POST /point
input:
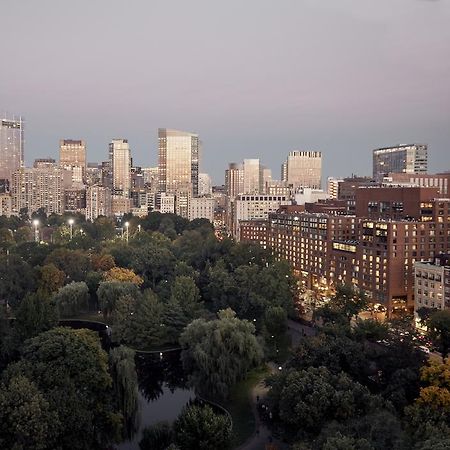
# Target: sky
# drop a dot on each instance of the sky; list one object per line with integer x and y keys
{"x": 254, "y": 78}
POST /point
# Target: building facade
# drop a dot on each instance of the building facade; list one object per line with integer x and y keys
{"x": 303, "y": 169}
{"x": 202, "y": 208}
{"x": 178, "y": 160}
{"x": 37, "y": 188}
{"x": 432, "y": 283}
{"x": 412, "y": 159}
{"x": 120, "y": 167}
{"x": 72, "y": 157}
{"x": 98, "y": 202}
{"x": 11, "y": 146}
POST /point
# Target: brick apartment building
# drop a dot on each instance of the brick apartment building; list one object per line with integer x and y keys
{"x": 375, "y": 250}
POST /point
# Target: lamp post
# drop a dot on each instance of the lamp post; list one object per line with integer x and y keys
{"x": 127, "y": 226}
{"x": 36, "y": 231}
{"x": 71, "y": 222}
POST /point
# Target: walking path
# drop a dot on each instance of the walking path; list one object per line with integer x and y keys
{"x": 262, "y": 438}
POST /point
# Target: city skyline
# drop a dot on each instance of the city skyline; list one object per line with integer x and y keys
{"x": 257, "y": 89}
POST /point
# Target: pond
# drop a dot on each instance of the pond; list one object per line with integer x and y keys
{"x": 162, "y": 384}
{"x": 162, "y": 392}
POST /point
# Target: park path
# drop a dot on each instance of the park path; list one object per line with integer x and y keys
{"x": 262, "y": 438}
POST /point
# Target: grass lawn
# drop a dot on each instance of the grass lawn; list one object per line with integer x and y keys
{"x": 240, "y": 408}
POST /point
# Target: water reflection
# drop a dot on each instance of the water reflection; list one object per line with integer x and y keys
{"x": 162, "y": 393}
{"x": 154, "y": 371}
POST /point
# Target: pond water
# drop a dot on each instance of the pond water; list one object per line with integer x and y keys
{"x": 162, "y": 384}
{"x": 162, "y": 392}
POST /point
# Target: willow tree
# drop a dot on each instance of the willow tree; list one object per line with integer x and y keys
{"x": 218, "y": 353}
{"x": 125, "y": 385}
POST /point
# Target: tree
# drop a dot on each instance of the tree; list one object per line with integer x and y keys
{"x": 70, "y": 369}
{"x": 102, "y": 262}
{"x": 307, "y": 399}
{"x": 109, "y": 292}
{"x": 157, "y": 437}
{"x": 199, "y": 428}
{"x": 439, "y": 330}
{"x": 36, "y": 313}
{"x": 6, "y": 239}
{"x": 154, "y": 263}
{"x": 26, "y": 420}
{"x": 436, "y": 392}
{"x": 125, "y": 385}
{"x": 51, "y": 278}
{"x": 16, "y": 279}
{"x": 174, "y": 320}
{"x": 72, "y": 298}
{"x": 7, "y": 341}
{"x": 103, "y": 229}
{"x": 146, "y": 328}
{"x": 185, "y": 292}
{"x": 123, "y": 275}
{"x": 370, "y": 330}
{"x": 340, "y": 442}
{"x": 218, "y": 353}
{"x": 74, "y": 263}
{"x": 221, "y": 288}
{"x": 23, "y": 234}
{"x": 348, "y": 301}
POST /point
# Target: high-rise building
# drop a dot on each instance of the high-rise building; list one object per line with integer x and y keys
{"x": 11, "y": 146}
{"x": 264, "y": 179}
{"x": 252, "y": 176}
{"x": 120, "y": 166}
{"x": 41, "y": 187}
{"x": 204, "y": 184}
{"x": 178, "y": 160}
{"x": 412, "y": 158}
{"x": 234, "y": 180}
{"x": 98, "y": 202}
{"x": 72, "y": 157}
{"x": 303, "y": 169}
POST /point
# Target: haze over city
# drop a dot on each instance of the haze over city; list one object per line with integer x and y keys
{"x": 253, "y": 79}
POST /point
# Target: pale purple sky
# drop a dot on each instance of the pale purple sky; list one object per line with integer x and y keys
{"x": 255, "y": 78}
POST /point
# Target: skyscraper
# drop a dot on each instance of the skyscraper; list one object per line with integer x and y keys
{"x": 11, "y": 146}
{"x": 252, "y": 176}
{"x": 120, "y": 165}
{"x": 412, "y": 158}
{"x": 72, "y": 157}
{"x": 178, "y": 161}
{"x": 234, "y": 180}
{"x": 303, "y": 169}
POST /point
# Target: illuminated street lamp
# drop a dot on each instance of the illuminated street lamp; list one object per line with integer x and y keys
{"x": 127, "y": 226}
{"x": 36, "y": 231}
{"x": 71, "y": 222}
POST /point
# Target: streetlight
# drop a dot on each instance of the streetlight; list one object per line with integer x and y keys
{"x": 36, "y": 232}
{"x": 127, "y": 226}
{"x": 71, "y": 222}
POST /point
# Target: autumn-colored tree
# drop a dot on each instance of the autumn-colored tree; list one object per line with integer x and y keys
{"x": 123, "y": 275}
{"x": 437, "y": 392}
{"x": 51, "y": 278}
{"x": 102, "y": 262}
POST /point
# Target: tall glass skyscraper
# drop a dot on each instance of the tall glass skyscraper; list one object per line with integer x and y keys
{"x": 120, "y": 165}
{"x": 11, "y": 146}
{"x": 178, "y": 161}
